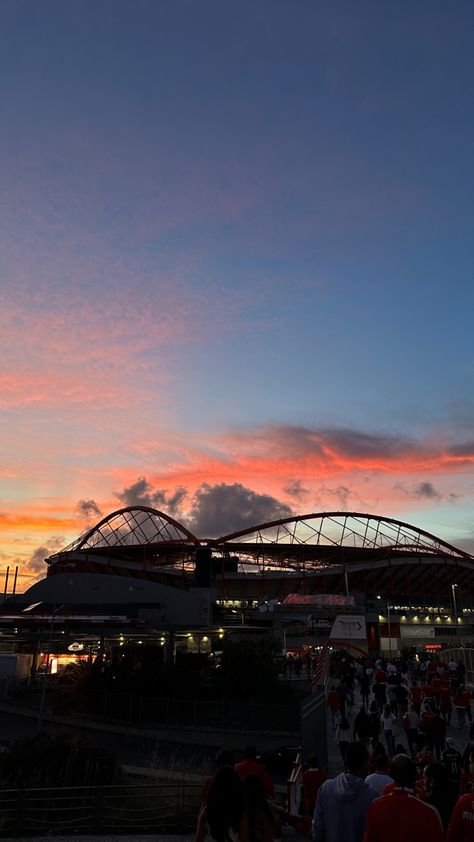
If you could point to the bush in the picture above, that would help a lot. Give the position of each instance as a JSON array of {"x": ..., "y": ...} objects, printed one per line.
[{"x": 49, "y": 760}]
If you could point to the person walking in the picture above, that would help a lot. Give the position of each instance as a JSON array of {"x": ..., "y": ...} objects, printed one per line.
[
  {"x": 379, "y": 779},
  {"x": 461, "y": 826},
  {"x": 362, "y": 727},
  {"x": 374, "y": 722},
  {"x": 380, "y": 695},
  {"x": 261, "y": 824},
  {"x": 311, "y": 780},
  {"x": 333, "y": 702},
  {"x": 452, "y": 759},
  {"x": 439, "y": 791},
  {"x": 411, "y": 724},
  {"x": 445, "y": 704},
  {"x": 416, "y": 695},
  {"x": 438, "y": 734},
  {"x": 400, "y": 814},
  {"x": 343, "y": 802},
  {"x": 466, "y": 699},
  {"x": 250, "y": 766},
  {"x": 343, "y": 737},
  {"x": 459, "y": 702},
  {"x": 387, "y": 720},
  {"x": 365, "y": 690},
  {"x": 223, "y": 818}
]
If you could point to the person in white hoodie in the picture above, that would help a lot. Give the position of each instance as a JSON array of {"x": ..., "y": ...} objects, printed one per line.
[
  {"x": 343, "y": 802},
  {"x": 380, "y": 778}
]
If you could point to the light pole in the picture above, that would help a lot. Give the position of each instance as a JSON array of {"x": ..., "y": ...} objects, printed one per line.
[
  {"x": 453, "y": 590},
  {"x": 389, "y": 631},
  {"x": 389, "y": 627},
  {"x": 45, "y": 674}
]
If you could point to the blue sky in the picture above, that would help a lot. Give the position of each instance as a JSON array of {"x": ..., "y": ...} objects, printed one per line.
[{"x": 223, "y": 224}]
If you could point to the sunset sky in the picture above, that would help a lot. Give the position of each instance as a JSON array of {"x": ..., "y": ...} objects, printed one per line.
[{"x": 236, "y": 268}]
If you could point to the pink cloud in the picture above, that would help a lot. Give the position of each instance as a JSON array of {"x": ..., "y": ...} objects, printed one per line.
[{"x": 377, "y": 469}]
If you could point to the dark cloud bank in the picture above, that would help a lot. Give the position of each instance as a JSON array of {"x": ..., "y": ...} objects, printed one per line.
[{"x": 214, "y": 510}]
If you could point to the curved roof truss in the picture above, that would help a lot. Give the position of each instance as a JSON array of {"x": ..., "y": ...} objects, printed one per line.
[
  {"x": 342, "y": 529},
  {"x": 134, "y": 526}
]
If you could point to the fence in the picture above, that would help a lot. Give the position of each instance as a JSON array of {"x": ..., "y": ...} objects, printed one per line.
[
  {"x": 293, "y": 786},
  {"x": 466, "y": 656},
  {"x": 108, "y": 809}
]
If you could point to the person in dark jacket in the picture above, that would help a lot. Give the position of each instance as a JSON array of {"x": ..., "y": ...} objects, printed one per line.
[
  {"x": 380, "y": 694},
  {"x": 374, "y": 720},
  {"x": 362, "y": 727},
  {"x": 440, "y": 794},
  {"x": 365, "y": 690}
]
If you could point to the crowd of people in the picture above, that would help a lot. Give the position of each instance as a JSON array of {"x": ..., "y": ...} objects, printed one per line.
[
  {"x": 374, "y": 800},
  {"x": 403, "y": 779},
  {"x": 395, "y": 744},
  {"x": 420, "y": 697}
]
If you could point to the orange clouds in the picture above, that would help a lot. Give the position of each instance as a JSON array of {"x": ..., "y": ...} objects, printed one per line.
[
  {"x": 305, "y": 469},
  {"x": 281, "y": 452},
  {"x": 37, "y": 522}
]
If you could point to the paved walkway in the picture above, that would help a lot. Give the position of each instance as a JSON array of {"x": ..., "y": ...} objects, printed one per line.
[{"x": 335, "y": 765}]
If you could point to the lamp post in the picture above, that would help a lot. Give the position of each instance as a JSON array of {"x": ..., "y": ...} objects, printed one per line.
[
  {"x": 388, "y": 606},
  {"x": 453, "y": 590},
  {"x": 45, "y": 674},
  {"x": 389, "y": 631}
]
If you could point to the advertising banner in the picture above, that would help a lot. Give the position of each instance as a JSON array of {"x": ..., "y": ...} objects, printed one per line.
[
  {"x": 349, "y": 627},
  {"x": 416, "y": 631}
]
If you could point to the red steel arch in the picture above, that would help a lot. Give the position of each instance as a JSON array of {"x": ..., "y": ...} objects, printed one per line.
[
  {"x": 344, "y": 529},
  {"x": 134, "y": 526}
]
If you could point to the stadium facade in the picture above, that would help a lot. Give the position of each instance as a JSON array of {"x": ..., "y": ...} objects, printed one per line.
[{"x": 140, "y": 572}]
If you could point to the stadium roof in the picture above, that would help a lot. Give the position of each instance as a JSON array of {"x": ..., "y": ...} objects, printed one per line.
[{"x": 306, "y": 553}]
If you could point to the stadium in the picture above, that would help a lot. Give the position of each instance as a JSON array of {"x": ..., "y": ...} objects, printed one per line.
[
  {"x": 330, "y": 552},
  {"x": 139, "y": 571}
]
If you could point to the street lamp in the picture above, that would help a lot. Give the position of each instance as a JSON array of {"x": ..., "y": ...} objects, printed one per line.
[
  {"x": 453, "y": 590},
  {"x": 389, "y": 627}
]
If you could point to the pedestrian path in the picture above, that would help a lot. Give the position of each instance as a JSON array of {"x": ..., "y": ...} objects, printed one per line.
[{"x": 335, "y": 765}]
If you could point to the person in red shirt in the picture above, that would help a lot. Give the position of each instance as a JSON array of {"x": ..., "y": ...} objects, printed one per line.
[
  {"x": 461, "y": 826},
  {"x": 466, "y": 697},
  {"x": 250, "y": 766},
  {"x": 421, "y": 791},
  {"x": 460, "y": 701},
  {"x": 445, "y": 705},
  {"x": 333, "y": 702},
  {"x": 428, "y": 695},
  {"x": 400, "y": 814},
  {"x": 431, "y": 667},
  {"x": 436, "y": 685},
  {"x": 311, "y": 780},
  {"x": 416, "y": 695}
]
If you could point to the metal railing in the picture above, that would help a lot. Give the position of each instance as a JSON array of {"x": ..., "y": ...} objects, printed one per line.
[
  {"x": 466, "y": 656},
  {"x": 293, "y": 786},
  {"x": 107, "y": 809}
]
